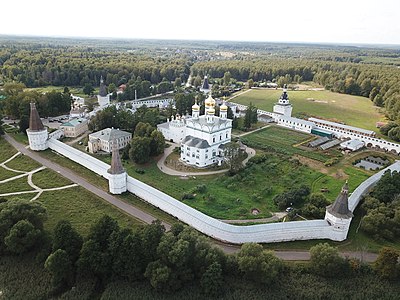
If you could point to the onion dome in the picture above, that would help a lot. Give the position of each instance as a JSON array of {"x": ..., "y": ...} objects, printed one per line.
[
  {"x": 210, "y": 102},
  {"x": 195, "y": 106},
  {"x": 223, "y": 107}
]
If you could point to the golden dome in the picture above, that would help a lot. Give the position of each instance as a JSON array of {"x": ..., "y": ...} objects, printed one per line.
[
  {"x": 210, "y": 102},
  {"x": 223, "y": 107},
  {"x": 195, "y": 106}
]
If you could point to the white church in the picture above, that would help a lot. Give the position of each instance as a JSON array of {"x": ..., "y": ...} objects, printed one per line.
[{"x": 202, "y": 137}]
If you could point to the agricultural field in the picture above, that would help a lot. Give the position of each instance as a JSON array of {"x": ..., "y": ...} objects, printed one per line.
[{"x": 351, "y": 110}]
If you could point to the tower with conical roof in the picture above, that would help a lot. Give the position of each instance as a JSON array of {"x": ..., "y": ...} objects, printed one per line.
[
  {"x": 37, "y": 133},
  {"x": 338, "y": 214},
  {"x": 103, "y": 98},
  {"x": 283, "y": 107},
  {"x": 205, "y": 86},
  {"x": 117, "y": 177}
]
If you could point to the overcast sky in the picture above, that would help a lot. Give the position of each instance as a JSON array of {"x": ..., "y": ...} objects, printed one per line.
[{"x": 332, "y": 21}]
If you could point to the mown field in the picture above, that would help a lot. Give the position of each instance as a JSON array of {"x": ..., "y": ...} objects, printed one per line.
[{"x": 352, "y": 110}]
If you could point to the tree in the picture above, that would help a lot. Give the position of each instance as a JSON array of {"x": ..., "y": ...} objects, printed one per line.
[
  {"x": 95, "y": 255},
  {"x": 11, "y": 212},
  {"x": 212, "y": 280},
  {"x": 159, "y": 276},
  {"x": 386, "y": 265},
  {"x": 250, "y": 116},
  {"x": 1, "y": 124},
  {"x": 22, "y": 237},
  {"x": 233, "y": 157},
  {"x": 257, "y": 264},
  {"x": 140, "y": 149},
  {"x": 127, "y": 255},
  {"x": 197, "y": 81},
  {"x": 157, "y": 143},
  {"x": 88, "y": 89},
  {"x": 250, "y": 83},
  {"x": 143, "y": 129},
  {"x": 61, "y": 268},
  {"x": 326, "y": 261},
  {"x": 178, "y": 82},
  {"x": 227, "y": 78},
  {"x": 68, "y": 239}
]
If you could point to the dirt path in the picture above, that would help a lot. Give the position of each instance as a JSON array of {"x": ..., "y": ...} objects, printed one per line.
[{"x": 167, "y": 170}]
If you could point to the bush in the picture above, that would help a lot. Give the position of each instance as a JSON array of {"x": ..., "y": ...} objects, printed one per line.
[
  {"x": 326, "y": 261},
  {"x": 140, "y": 171},
  {"x": 188, "y": 196}
]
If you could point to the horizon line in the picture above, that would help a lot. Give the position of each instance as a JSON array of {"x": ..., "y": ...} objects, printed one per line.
[{"x": 196, "y": 40}]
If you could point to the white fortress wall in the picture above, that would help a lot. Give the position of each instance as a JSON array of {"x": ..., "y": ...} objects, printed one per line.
[
  {"x": 80, "y": 157},
  {"x": 262, "y": 233},
  {"x": 365, "y": 186}
]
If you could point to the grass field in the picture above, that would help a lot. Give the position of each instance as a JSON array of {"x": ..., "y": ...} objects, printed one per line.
[
  {"x": 47, "y": 179},
  {"x": 286, "y": 141},
  {"x": 352, "y": 110}
]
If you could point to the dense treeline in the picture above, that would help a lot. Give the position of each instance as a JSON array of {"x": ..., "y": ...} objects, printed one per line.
[
  {"x": 18, "y": 99},
  {"x": 174, "y": 262},
  {"x": 380, "y": 83},
  {"x": 382, "y": 209},
  {"x": 77, "y": 66}
]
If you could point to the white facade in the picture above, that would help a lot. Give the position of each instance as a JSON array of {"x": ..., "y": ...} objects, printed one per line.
[
  {"x": 37, "y": 139},
  {"x": 174, "y": 130},
  {"x": 117, "y": 183},
  {"x": 283, "y": 107},
  {"x": 296, "y": 124}
]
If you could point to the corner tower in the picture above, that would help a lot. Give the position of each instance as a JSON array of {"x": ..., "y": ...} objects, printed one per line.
[
  {"x": 37, "y": 133},
  {"x": 117, "y": 179},
  {"x": 338, "y": 214}
]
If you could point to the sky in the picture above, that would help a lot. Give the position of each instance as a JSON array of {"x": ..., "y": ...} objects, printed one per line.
[{"x": 330, "y": 21}]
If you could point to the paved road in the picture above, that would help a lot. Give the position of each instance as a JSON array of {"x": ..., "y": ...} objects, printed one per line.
[
  {"x": 301, "y": 255},
  {"x": 127, "y": 208}
]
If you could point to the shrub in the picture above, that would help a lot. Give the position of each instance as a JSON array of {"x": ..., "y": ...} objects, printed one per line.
[{"x": 140, "y": 171}]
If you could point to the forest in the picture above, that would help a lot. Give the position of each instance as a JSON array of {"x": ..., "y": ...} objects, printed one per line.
[{"x": 148, "y": 66}]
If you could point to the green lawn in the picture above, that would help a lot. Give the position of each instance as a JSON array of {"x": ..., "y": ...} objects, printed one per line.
[
  {"x": 4, "y": 174},
  {"x": 17, "y": 185},
  {"x": 352, "y": 110},
  {"x": 285, "y": 141},
  {"x": 47, "y": 179},
  {"x": 81, "y": 208},
  {"x": 103, "y": 183},
  {"x": 23, "y": 163},
  {"x": 6, "y": 150}
]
